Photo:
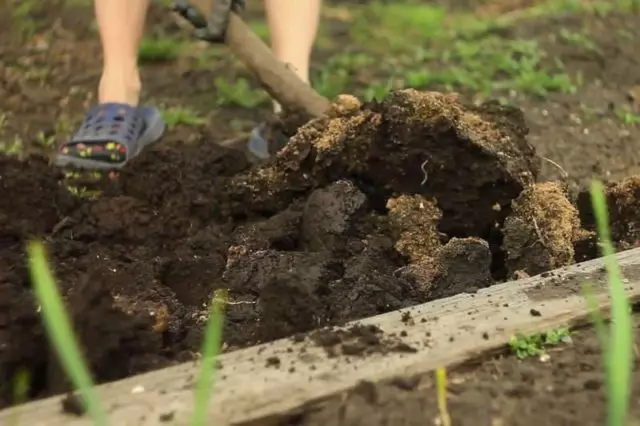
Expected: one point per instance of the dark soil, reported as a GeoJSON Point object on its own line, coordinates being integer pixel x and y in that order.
{"type": "Point", "coordinates": [374, 208]}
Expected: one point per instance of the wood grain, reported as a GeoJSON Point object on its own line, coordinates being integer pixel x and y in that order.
{"type": "Point", "coordinates": [443, 333]}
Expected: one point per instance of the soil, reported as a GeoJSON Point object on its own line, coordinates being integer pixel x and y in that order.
{"type": "Point", "coordinates": [374, 208]}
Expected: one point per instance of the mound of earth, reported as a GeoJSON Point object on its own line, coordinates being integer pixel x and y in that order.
{"type": "Point", "coordinates": [373, 208]}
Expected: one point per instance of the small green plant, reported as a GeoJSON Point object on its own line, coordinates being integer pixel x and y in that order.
{"type": "Point", "coordinates": [331, 80]}
{"type": "Point", "coordinates": [20, 391]}
{"type": "Point", "coordinates": [163, 49]}
{"type": "Point", "coordinates": [626, 116]}
{"type": "Point", "coordinates": [534, 345]}
{"type": "Point", "coordinates": [60, 333]}
{"type": "Point", "coordinates": [13, 147]}
{"type": "Point", "coordinates": [578, 39]}
{"type": "Point", "coordinates": [378, 91]}
{"type": "Point", "coordinates": [488, 65]}
{"type": "Point", "coordinates": [617, 340]}
{"type": "Point", "coordinates": [22, 20]}
{"type": "Point", "coordinates": [178, 115]}
{"type": "Point", "coordinates": [238, 93]}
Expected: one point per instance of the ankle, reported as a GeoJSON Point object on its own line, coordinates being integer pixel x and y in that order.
{"type": "Point", "coordinates": [120, 86]}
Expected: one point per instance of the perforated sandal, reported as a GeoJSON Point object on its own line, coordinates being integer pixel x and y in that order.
{"type": "Point", "coordinates": [110, 136]}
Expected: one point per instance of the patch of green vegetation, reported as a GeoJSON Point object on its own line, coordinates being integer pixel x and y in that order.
{"type": "Point", "coordinates": [179, 115]}
{"type": "Point", "coordinates": [338, 72]}
{"type": "Point", "coordinates": [578, 39]}
{"type": "Point", "coordinates": [260, 28]}
{"type": "Point", "coordinates": [238, 93]}
{"type": "Point", "coordinates": [627, 116]}
{"type": "Point", "coordinates": [11, 148]}
{"type": "Point", "coordinates": [534, 345]}
{"type": "Point", "coordinates": [427, 48]}
{"type": "Point", "coordinates": [159, 49]}
{"type": "Point", "coordinates": [490, 65]}
{"type": "Point", "coordinates": [46, 140]}
{"type": "Point", "coordinates": [395, 26]}
{"type": "Point", "coordinates": [378, 91]}
{"type": "Point", "coordinates": [22, 20]}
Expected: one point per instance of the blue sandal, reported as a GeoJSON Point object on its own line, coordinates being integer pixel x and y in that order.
{"type": "Point", "coordinates": [263, 142]}
{"type": "Point", "coordinates": [111, 135]}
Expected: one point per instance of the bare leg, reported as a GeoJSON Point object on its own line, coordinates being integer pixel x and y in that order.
{"type": "Point", "coordinates": [121, 24]}
{"type": "Point", "coordinates": [293, 25]}
{"type": "Point", "coordinates": [112, 133]}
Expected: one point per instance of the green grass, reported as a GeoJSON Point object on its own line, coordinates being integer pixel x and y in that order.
{"type": "Point", "coordinates": [617, 340]}
{"type": "Point", "coordinates": [424, 46]}
{"type": "Point", "coordinates": [61, 336]}
{"type": "Point", "coordinates": [159, 49]}
{"type": "Point", "coordinates": [238, 93]}
{"type": "Point", "coordinates": [626, 116]}
{"type": "Point", "coordinates": [177, 115]}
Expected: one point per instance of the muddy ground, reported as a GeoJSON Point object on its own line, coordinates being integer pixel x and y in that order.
{"type": "Point", "coordinates": [380, 206]}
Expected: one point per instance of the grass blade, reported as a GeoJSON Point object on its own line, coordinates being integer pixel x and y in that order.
{"type": "Point", "coordinates": [210, 352]}
{"type": "Point", "coordinates": [441, 392]}
{"type": "Point", "coordinates": [21, 383]}
{"type": "Point", "coordinates": [619, 354]}
{"type": "Point", "coordinates": [60, 332]}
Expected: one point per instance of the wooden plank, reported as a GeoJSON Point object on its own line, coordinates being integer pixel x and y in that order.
{"type": "Point", "coordinates": [444, 332]}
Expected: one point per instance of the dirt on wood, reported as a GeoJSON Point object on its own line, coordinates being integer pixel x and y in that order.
{"type": "Point", "coordinates": [567, 380]}
{"type": "Point", "coordinates": [379, 206]}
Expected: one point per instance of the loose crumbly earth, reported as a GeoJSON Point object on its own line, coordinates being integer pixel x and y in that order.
{"type": "Point", "coordinates": [377, 207]}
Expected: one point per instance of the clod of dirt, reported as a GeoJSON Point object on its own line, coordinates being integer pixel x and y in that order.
{"type": "Point", "coordinates": [40, 211]}
{"type": "Point", "coordinates": [463, 265]}
{"type": "Point", "coordinates": [414, 220]}
{"type": "Point", "coordinates": [121, 218]}
{"type": "Point", "coordinates": [22, 336]}
{"type": "Point", "coordinates": [287, 289]}
{"type": "Point", "coordinates": [623, 202]}
{"type": "Point", "coordinates": [466, 158]}
{"type": "Point", "coordinates": [190, 276]}
{"type": "Point", "coordinates": [118, 333]}
{"type": "Point", "coordinates": [328, 214]}
{"type": "Point", "coordinates": [540, 232]}
{"type": "Point", "coordinates": [279, 232]}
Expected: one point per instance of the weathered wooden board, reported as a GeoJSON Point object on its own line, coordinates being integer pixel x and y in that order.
{"type": "Point", "coordinates": [444, 332]}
